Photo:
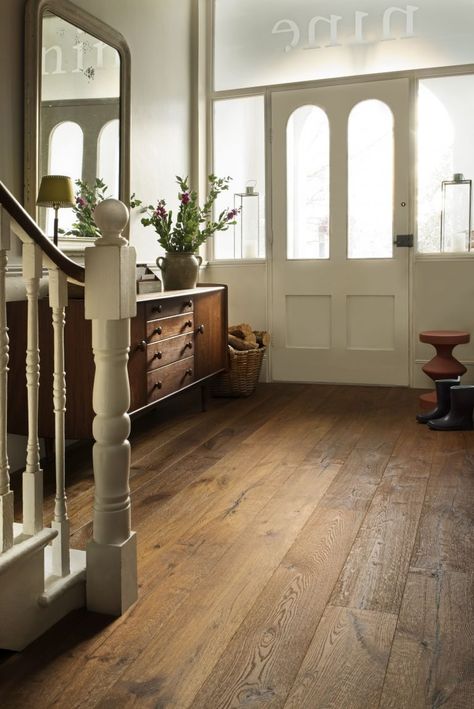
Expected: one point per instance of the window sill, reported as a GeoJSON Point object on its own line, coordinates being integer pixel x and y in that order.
{"type": "Point", "coordinates": [238, 262]}
{"type": "Point", "coordinates": [445, 256]}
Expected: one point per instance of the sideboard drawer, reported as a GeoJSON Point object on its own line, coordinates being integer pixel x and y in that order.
{"type": "Point", "coordinates": [165, 380]}
{"type": "Point", "coordinates": [165, 352]}
{"type": "Point", "coordinates": [169, 306]}
{"type": "Point", "coordinates": [169, 327]}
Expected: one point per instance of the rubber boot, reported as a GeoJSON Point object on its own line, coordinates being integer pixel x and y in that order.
{"type": "Point", "coordinates": [443, 397]}
{"type": "Point", "coordinates": [460, 414]}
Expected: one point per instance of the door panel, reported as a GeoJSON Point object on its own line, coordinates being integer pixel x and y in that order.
{"type": "Point", "coordinates": [338, 319]}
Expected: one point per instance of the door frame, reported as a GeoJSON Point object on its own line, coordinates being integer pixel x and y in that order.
{"type": "Point", "coordinates": [413, 76]}
{"type": "Point", "coordinates": [202, 152]}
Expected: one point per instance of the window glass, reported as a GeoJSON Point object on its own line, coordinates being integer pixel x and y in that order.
{"type": "Point", "coordinates": [264, 42]}
{"type": "Point", "coordinates": [239, 151]}
{"type": "Point", "coordinates": [108, 157]}
{"type": "Point", "coordinates": [444, 139]}
{"type": "Point", "coordinates": [65, 158]}
{"type": "Point", "coordinates": [370, 181]}
{"type": "Point", "coordinates": [308, 184]}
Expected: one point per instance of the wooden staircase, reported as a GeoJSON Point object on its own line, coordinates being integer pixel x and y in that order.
{"type": "Point", "coordinates": [41, 578]}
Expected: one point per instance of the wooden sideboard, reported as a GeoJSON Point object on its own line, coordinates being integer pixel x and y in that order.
{"type": "Point", "coordinates": [178, 340]}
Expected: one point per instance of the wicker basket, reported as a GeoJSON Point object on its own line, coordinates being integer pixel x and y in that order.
{"type": "Point", "coordinates": [242, 376]}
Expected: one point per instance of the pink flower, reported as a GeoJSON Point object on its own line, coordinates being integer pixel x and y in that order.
{"type": "Point", "coordinates": [80, 201]}
{"type": "Point", "coordinates": [160, 212]}
{"type": "Point", "coordinates": [185, 198]}
{"type": "Point", "coordinates": [232, 214]}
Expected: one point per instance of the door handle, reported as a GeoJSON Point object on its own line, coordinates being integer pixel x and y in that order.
{"type": "Point", "coordinates": [404, 240]}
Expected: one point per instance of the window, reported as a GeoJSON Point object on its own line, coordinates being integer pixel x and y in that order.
{"type": "Point", "coordinates": [445, 107]}
{"type": "Point", "coordinates": [265, 42]}
{"type": "Point", "coordinates": [65, 158]}
{"type": "Point", "coordinates": [108, 157]}
{"type": "Point", "coordinates": [370, 181]}
{"type": "Point", "coordinates": [239, 151]}
{"type": "Point", "coordinates": [308, 184]}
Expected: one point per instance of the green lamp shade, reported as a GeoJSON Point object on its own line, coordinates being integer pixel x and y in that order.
{"type": "Point", "coordinates": [56, 191]}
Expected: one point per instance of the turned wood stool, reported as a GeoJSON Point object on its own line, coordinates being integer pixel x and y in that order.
{"type": "Point", "coordinates": [443, 365]}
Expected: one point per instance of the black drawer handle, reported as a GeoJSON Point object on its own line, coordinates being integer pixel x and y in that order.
{"type": "Point", "coordinates": [157, 330]}
{"type": "Point", "coordinates": [157, 308]}
{"type": "Point", "coordinates": [201, 329]}
{"type": "Point", "coordinates": [158, 355]}
{"type": "Point", "coordinates": [157, 385]}
{"type": "Point", "coordinates": [188, 323]}
{"type": "Point", "coordinates": [189, 372]}
{"type": "Point", "coordinates": [188, 345]}
{"type": "Point", "coordinates": [142, 345]}
{"type": "Point", "coordinates": [188, 304]}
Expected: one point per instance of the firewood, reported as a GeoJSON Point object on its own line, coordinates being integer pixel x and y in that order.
{"type": "Point", "coordinates": [242, 345]}
{"type": "Point", "coordinates": [263, 338]}
{"type": "Point", "coordinates": [236, 332]}
{"type": "Point", "coordinates": [243, 328]}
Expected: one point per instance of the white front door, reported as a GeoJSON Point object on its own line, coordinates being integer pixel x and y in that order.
{"type": "Point", "coordinates": [340, 191]}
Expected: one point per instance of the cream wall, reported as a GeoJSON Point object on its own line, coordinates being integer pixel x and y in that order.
{"type": "Point", "coordinates": [11, 95]}
{"type": "Point", "coordinates": [158, 33]}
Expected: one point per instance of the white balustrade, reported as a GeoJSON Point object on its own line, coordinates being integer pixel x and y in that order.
{"type": "Point", "coordinates": [41, 578]}
{"type": "Point", "coordinates": [33, 475]}
{"type": "Point", "coordinates": [111, 556]}
{"type": "Point", "coordinates": [58, 299]}
{"type": "Point", "coordinates": [6, 495]}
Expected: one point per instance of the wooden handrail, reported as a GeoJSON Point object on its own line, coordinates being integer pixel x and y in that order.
{"type": "Point", "coordinates": [72, 269]}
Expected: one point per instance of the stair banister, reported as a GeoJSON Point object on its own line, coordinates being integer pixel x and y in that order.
{"type": "Point", "coordinates": [41, 578]}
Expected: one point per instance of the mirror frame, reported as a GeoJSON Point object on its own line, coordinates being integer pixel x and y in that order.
{"type": "Point", "coordinates": [69, 12]}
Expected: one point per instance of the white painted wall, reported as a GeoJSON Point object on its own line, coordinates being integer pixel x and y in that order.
{"type": "Point", "coordinates": [159, 36]}
{"type": "Point", "coordinates": [11, 95]}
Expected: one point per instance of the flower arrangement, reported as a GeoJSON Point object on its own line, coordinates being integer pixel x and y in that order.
{"type": "Point", "coordinates": [87, 199]}
{"type": "Point", "coordinates": [194, 224]}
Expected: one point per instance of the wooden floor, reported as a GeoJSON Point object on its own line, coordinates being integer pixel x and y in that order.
{"type": "Point", "coordinates": [309, 547]}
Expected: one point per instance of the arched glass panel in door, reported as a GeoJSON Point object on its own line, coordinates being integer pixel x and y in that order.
{"type": "Point", "coordinates": [370, 181]}
{"type": "Point", "coordinates": [307, 143]}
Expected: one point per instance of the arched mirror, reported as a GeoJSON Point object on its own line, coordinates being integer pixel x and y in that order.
{"type": "Point", "coordinates": [77, 74]}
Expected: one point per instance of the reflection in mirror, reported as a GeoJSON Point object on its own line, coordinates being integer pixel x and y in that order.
{"type": "Point", "coordinates": [79, 110]}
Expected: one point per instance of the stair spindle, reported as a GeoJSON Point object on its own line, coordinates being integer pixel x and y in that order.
{"type": "Point", "coordinates": [58, 300]}
{"type": "Point", "coordinates": [33, 475]}
{"type": "Point", "coordinates": [6, 495]}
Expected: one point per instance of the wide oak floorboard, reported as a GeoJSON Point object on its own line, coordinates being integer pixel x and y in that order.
{"type": "Point", "coordinates": [308, 547]}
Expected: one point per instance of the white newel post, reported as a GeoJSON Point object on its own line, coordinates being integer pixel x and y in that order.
{"type": "Point", "coordinates": [6, 495]}
{"type": "Point", "coordinates": [110, 302]}
{"type": "Point", "coordinates": [33, 475]}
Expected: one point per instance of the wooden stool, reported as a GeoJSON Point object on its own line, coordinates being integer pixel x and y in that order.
{"type": "Point", "coordinates": [443, 365]}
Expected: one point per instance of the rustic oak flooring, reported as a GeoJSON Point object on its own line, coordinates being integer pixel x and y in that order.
{"type": "Point", "coordinates": [308, 547]}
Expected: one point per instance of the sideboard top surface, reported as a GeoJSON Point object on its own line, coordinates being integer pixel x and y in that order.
{"type": "Point", "coordinates": [143, 297]}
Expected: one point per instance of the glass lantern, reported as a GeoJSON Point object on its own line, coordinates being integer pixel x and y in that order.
{"type": "Point", "coordinates": [247, 229]}
{"type": "Point", "coordinates": [456, 215]}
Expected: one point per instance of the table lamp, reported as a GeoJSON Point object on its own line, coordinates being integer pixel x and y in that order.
{"type": "Point", "coordinates": [56, 191]}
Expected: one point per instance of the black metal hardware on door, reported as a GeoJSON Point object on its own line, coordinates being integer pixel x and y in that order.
{"type": "Point", "coordinates": [404, 240]}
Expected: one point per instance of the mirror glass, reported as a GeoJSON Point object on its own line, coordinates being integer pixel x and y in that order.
{"type": "Point", "coordinates": [77, 113]}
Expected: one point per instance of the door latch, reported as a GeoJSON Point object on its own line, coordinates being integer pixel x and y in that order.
{"type": "Point", "coordinates": [405, 240]}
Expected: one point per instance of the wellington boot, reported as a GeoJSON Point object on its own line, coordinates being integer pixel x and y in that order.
{"type": "Point", "coordinates": [443, 396]}
{"type": "Point", "coordinates": [459, 417]}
